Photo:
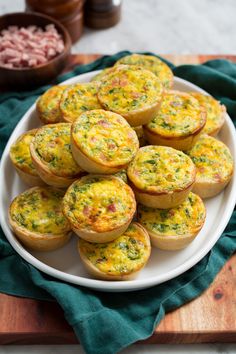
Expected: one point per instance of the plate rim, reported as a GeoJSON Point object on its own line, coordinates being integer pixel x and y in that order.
{"type": "Point", "coordinates": [129, 285]}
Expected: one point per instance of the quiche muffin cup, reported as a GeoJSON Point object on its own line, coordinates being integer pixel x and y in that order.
{"type": "Point", "coordinates": [52, 157]}
{"type": "Point", "coordinates": [37, 220]}
{"type": "Point", "coordinates": [121, 259]}
{"type": "Point", "coordinates": [178, 123]}
{"type": "Point", "coordinates": [47, 106]}
{"type": "Point", "coordinates": [77, 99]}
{"type": "Point", "coordinates": [100, 76]}
{"type": "Point", "coordinates": [214, 164]}
{"type": "Point", "coordinates": [173, 229]}
{"type": "Point", "coordinates": [21, 159]}
{"type": "Point", "coordinates": [136, 94]}
{"type": "Point", "coordinates": [99, 207]}
{"type": "Point", "coordinates": [152, 63]}
{"type": "Point", "coordinates": [161, 177]}
{"type": "Point", "coordinates": [215, 113]}
{"type": "Point", "coordinates": [103, 142]}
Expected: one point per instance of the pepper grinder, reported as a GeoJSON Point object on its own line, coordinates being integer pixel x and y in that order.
{"type": "Point", "coordinates": [100, 14]}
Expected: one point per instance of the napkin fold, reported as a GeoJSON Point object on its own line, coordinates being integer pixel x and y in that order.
{"type": "Point", "coordinates": [109, 322]}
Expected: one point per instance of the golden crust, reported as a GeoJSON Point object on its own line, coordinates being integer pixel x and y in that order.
{"type": "Point", "coordinates": [35, 240]}
{"type": "Point", "coordinates": [99, 207]}
{"type": "Point", "coordinates": [48, 175]}
{"type": "Point", "coordinates": [47, 106]}
{"type": "Point", "coordinates": [158, 131]}
{"type": "Point", "coordinates": [124, 91]}
{"type": "Point", "coordinates": [214, 166]}
{"type": "Point", "coordinates": [183, 233]}
{"type": "Point", "coordinates": [99, 149]}
{"type": "Point", "coordinates": [120, 275]}
{"type": "Point", "coordinates": [161, 177]}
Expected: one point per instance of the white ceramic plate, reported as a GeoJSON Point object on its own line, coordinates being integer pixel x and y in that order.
{"type": "Point", "coordinates": [65, 263]}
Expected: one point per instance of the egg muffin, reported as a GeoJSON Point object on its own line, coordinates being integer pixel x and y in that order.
{"type": "Point", "coordinates": [21, 159]}
{"type": "Point", "coordinates": [99, 208]}
{"type": "Point", "coordinates": [121, 259]}
{"type": "Point", "coordinates": [52, 157]}
{"type": "Point", "coordinates": [154, 64]}
{"type": "Point", "coordinates": [37, 220]}
{"type": "Point", "coordinates": [161, 176]}
{"type": "Point", "coordinates": [77, 99]}
{"type": "Point", "coordinates": [214, 164]}
{"type": "Point", "coordinates": [215, 113]}
{"type": "Point", "coordinates": [47, 106]}
{"type": "Point", "coordinates": [103, 142]}
{"type": "Point", "coordinates": [173, 229]}
{"type": "Point", "coordinates": [123, 175]}
{"type": "Point", "coordinates": [136, 94]}
{"type": "Point", "coordinates": [178, 123]}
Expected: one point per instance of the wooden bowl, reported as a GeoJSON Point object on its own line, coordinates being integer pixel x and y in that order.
{"type": "Point", "coordinates": [25, 78]}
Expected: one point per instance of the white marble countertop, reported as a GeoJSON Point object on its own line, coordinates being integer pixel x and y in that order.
{"type": "Point", "coordinates": [163, 27]}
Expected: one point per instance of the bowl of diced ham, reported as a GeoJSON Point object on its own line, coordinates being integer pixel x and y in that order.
{"type": "Point", "coordinates": [34, 49]}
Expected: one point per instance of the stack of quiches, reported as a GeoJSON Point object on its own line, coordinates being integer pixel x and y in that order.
{"type": "Point", "coordinates": [78, 162]}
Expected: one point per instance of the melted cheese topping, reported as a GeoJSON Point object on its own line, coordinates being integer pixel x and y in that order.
{"type": "Point", "coordinates": [125, 90]}
{"type": "Point", "coordinates": [40, 210]}
{"type": "Point", "coordinates": [181, 220]}
{"type": "Point", "coordinates": [180, 115]}
{"type": "Point", "coordinates": [53, 148]}
{"type": "Point", "coordinates": [212, 158]}
{"type": "Point", "coordinates": [20, 153]}
{"type": "Point", "coordinates": [215, 116]}
{"type": "Point", "coordinates": [127, 254]}
{"type": "Point", "coordinates": [77, 99]}
{"type": "Point", "coordinates": [161, 169]}
{"type": "Point", "coordinates": [48, 105]}
{"type": "Point", "coordinates": [105, 137]}
{"type": "Point", "coordinates": [154, 64]}
{"type": "Point", "coordinates": [99, 203]}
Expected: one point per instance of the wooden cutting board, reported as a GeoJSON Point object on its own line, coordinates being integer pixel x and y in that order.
{"type": "Point", "coordinates": [209, 318]}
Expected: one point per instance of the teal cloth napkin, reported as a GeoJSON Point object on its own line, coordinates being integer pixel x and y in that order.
{"type": "Point", "coordinates": [109, 322]}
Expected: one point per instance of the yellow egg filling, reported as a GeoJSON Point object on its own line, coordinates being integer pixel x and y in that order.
{"type": "Point", "coordinates": [20, 153]}
{"type": "Point", "coordinates": [105, 137]}
{"type": "Point", "coordinates": [40, 210]}
{"type": "Point", "coordinates": [181, 220]}
{"type": "Point", "coordinates": [127, 254]}
{"type": "Point", "coordinates": [180, 115]}
{"type": "Point", "coordinates": [98, 203]}
{"type": "Point", "coordinates": [48, 104]}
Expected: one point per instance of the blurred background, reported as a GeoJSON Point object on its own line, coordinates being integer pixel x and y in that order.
{"type": "Point", "coordinates": [160, 26]}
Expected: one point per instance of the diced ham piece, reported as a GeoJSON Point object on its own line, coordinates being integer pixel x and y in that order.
{"type": "Point", "coordinates": [112, 207]}
{"type": "Point", "coordinates": [30, 46]}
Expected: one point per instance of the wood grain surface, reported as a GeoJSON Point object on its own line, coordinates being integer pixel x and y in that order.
{"type": "Point", "coordinates": [209, 318]}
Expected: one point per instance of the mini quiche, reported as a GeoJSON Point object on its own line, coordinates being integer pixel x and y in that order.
{"type": "Point", "coordinates": [136, 94]}
{"type": "Point", "coordinates": [173, 229]}
{"type": "Point", "coordinates": [99, 208]}
{"type": "Point", "coordinates": [103, 142]}
{"type": "Point", "coordinates": [77, 99]}
{"type": "Point", "coordinates": [215, 113]}
{"type": "Point", "coordinates": [21, 159]}
{"type": "Point", "coordinates": [121, 259]}
{"type": "Point", "coordinates": [161, 176]}
{"type": "Point", "coordinates": [47, 106]}
{"type": "Point", "coordinates": [214, 164]}
{"type": "Point", "coordinates": [123, 175]}
{"type": "Point", "coordinates": [52, 157]}
{"type": "Point", "coordinates": [37, 220]}
{"type": "Point", "coordinates": [178, 123]}
{"type": "Point", "coordinates": [154, 64]}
